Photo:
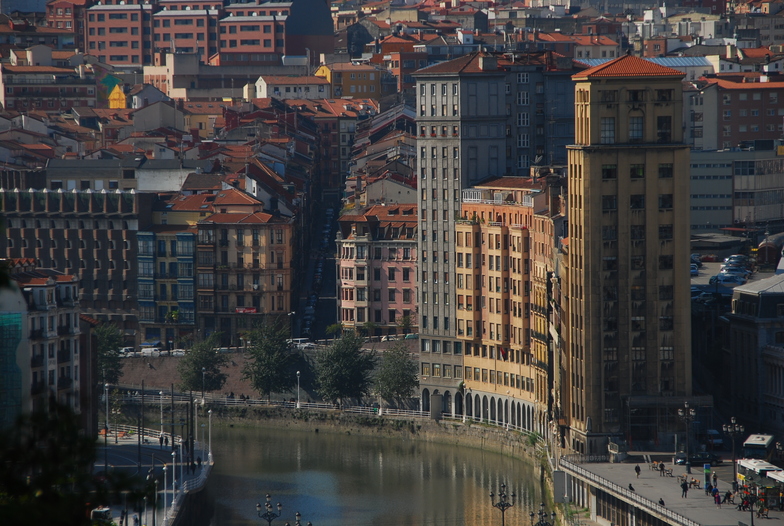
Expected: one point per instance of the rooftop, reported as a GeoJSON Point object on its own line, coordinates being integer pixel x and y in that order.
{"type": "Point", "coordinates": [628, 66]}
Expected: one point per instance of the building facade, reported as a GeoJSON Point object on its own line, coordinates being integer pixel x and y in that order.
{"type": "Point", "coordinates": [627, 325]}
{"type": "Point", "coordinates": [377, 269]}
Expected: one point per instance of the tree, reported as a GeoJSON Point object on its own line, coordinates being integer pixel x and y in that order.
{"type": "Point", "coordinates": [343, 370]}
{"type": "Point", "coordinates": [405, 323]}
{"type": "Point", "coordinates": [272, 364]}
{"type": "Point", "coordinates": [397, 376]}
{"type": "Point", "coordinates": [47, 475]}
{"type": "Point", "coordinates": [369, 328]}
{"type": "Point", "coordinates": [110, 340]}
{"type": "Point", "coordinates": [203, 356]}
{"type": "Point", "coordinates": [334, 330]}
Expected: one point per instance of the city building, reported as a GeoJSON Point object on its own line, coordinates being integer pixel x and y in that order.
{"type": "Point", "coordinates": [627, 325]}
{"type": "Point", "coordinates": [377, 269]}
{"type": "Point", "coordinates": [756, 353]}
{"type": "Point", "coordinates": [40, 85]}
{"type": "Point", "coordinates": [292, 87]}
{"type": "Point", "coordinates": [180, 27]}
{"type": "Point", "coordinates": [54, 358]}
{"type": "Point", "coordinates": [479, 116]}
{"type": "Point", "coordinates": [350, 80]}
{"type": "Point", "coordinates": [120, 34]}
{"type": "Point", "coordinates": [15, 393]}
{"type": "Point", "coordinates": [166, 278]}
{"type": "Point", "coordinates": [68, 15]}
{"type": "Point", "coordinates": [244, 271]}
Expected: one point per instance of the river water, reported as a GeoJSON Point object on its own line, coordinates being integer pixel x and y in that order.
{"type": "Point", "coordinates": [352, 480]}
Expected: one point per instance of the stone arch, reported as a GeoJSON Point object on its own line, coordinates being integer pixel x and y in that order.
{"type": "Point", "coordinates": [477, 407]}
{"type": "Point", "coordinates": [514, 414]}
{"type": "Point", "coordinates": [459, 409]}
{"type": "Point", "coordinates": [492, 410]}
{"type": "Point", "coordinates": [425, 399]}
{"type": "Point", "coordinates": [447, 403]}
{"type": "Point", "coordinates": [485, 410]}
{"type": "Point", "coordinates": [506, 411]}
{"type": "Point", "coordinates": [469, 405]}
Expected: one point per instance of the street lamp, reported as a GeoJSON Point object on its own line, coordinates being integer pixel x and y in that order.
{"type": "Point", "coordinates": [160, 396]}
{"type": "Point", "coordinates": [182, 464]}
{"type": "Point", "coordinates": [268, 514]}
{"type": "Point", "coordinates": [297, 389]}
{"type": "Point", "coordinates": [203, 376]}
{"type": "Point", "coordinates": [542, 517]}
{"type": "Point", "coordinates": [298, 520]}
{"type": "Point", "coordinates": [210, 436]}
{"type": "Point", "coordinates": [165, 500]}
{"type": "Point", "coordinates": [174, 475]}
{"type": "Point", "coordinates": [734, 430]}
{"type": "Point", "coordinates": [106, 432]}
{"type": "Point", "coordinates": [503, 504]}
{"type": "Point", "coordinates": [687, 414]}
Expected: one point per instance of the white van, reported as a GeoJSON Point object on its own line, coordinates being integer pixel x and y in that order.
{"type": "Point", "coordinates": [151, 351]}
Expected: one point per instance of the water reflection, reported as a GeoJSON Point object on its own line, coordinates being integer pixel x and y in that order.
{"type": "Point", "coordinates": [342, 480]}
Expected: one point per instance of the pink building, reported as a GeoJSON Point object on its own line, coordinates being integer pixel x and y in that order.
{"type": "Point", "coordinates": [377, 269]}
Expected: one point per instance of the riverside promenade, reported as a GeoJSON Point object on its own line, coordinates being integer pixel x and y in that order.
{"type": "Point", "coordinates": [121, 451]}
{"type": "Point", "coordinates": [696, 509]}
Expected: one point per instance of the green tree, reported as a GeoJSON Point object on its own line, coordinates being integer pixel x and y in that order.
{"type": "Point", "coordinates": [343, 371]}
{"type": "Point", "coordinates": [334, 330]}
{"type": "Point", "coordinates": [369, 328]}
{"type": "Point", "coordinates": [46, 475]}
{"type": "Point", "coordinates": [272, 364]}
{"type": "Point", "coordinates": [110, 340]}
{"type": "Point", "coordinates": [396, 378]}
{"type": "Point", "coordinates": [405, 323]}
{"type": "Point", "coordinates": [203, 356]}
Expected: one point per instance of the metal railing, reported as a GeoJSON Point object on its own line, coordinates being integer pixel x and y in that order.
{"type": "Point", "coordinates": [627, 494]}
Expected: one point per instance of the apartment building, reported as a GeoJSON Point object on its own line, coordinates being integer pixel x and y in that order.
{"type": "Point", "coordinates": [627, 325]}
{"type": "Point", "coordinates": [166, 284]}
{"type": "Point", "coordinates": [54, 356]}
{"type": "Point", "coordinates": [120, 34]}
{"type": "Point", "coordinates": [292, 87]}
{"type": "Point", "coordinates": [180, 28]}
{"type": "Point", "coordinates": [377, 269]}
{"type": "Point", "coordinates": [350, 80]}
{"type": "Point", "coordinates": [84, 233]}
{"type": "Point", "coordinates": [479, 116]}
{"type": "Point", "coordinates": [68, 15]}
{"type": "Point", "coordinates": [243, 272]}
{"type": "Point", "coordinates": [30, 81]}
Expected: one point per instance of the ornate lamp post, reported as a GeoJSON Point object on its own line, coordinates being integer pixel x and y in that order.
{"type": "Point", "coordinates": [165, 500]}
{"type": "Point", "coordinates": [210, 436]}
{"type": "Point", "coordinates": [174, 475]}
{"type": "Point", "coordinates": [268, 515]}
{"type": "Point", "coordinates": [160, 395]}
{"type": "Point", "coordinates": [503, 503]}
{"type": "Point", "coordinates": [298, 519]}
{"type": "Point", "coordinates": [542, 514]}
{"type": "Point", "coordinates": [203, 377]}
{"type": "Point", "coordinates": [687, 414]}
{"type": "Point", "coordinates": [106, 432]}
{"type": "Point", "coordinates": [734, 430]}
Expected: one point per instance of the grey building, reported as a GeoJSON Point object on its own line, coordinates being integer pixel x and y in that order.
{"type": "Point", "coordinates": [478, 116]}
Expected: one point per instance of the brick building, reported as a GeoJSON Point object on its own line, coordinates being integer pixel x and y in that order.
{"type": "Point", "coordinates": [68, 15]}
{"type": "Point", "coordinates": [120, 34]}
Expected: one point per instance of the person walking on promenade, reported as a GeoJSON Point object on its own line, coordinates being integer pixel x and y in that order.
{"type": "Point", "coordinates": [685, 489]}
{"type": "Point", "coordinates": [717, 499]}
{"type": "Point", "coordinates": [637, 470]}
{"type": "Point", "coordinates": [715, 479]}
{"type": "Point", "coordinates": [727, 497]}
{"type": "Point", "coordinates": [661, 469]}
{"type": "Point", "coordinates": [708, 489]}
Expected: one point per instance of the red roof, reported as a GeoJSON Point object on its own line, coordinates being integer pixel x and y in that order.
{"type": "Point", "coordinates": [628, 66]}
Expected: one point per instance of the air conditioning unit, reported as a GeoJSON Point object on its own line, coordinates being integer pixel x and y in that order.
{"type": "Point", "coordinates": [255, 287]}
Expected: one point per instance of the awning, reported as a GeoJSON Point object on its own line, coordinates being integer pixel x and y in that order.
{"type": "Point", "coordinates": [155, 343]}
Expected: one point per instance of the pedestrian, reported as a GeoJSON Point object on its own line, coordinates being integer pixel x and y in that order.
{"type": "Point", "coordinates": [661, 469]}
{"type": "Point", "coordinates": [727, 497]}
{"type": "Point", "coordinates": [637, 470]}
{"type": "Point", "coordinates": [135, 520]}
{"type": "Point", "coordinates": [166, 440]}
{"type": "Point", "coordinates": [661, 501]}
{"type": "Point", "coordinates": [715, 479]}
{"type": "Point", "coordinates": [160, 439]}
{"type": "Point", "coordinates": [708, 489]}
{"type": "Point", "coordinates": [631, 488]}
{"type": "Point", "coordinates": [717, 499]}
{"type": "Point", "coordinates": [685, 489]}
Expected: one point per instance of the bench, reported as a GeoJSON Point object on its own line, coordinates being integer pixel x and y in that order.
{"type": "Point", "coordinates": [121, 434]}
{"type": "Point", "coordinates": [668, 472]}
{"type": "Point", "coordinates": [762, 513]}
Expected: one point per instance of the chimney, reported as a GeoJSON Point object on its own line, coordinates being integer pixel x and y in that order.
{"type": "Point", "coordinates": [488, 63]}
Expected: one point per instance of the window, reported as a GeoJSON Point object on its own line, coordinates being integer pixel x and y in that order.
{"type": "Point", "coordinates": [665, 262]}
{"type": "Point", "coordinates": [523, 119]}
{"type": "Point", "coordinates": [609, 171]}
{"type": "Point", "coordinates": [665, 171]}
{"type": "Point", "coordinates": [637, 201]}
{"type": "Point", "coordinates": [665, 231]}
{"type": "Point", "coordinates": [607, 130]}
{"type": "Point", "coordinates": [637, 171]}
{"type": "Point", "coordinates": [635, 129]}
{"type": "Point", "coordinates": [609, 202]}
{"type": "Point", "coordinates": [665, 201]}
{"type": "Point", "coordinates": [664, 129]}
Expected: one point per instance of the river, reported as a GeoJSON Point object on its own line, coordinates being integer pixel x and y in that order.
{"type": "Point", "coordinates": [352, 480]}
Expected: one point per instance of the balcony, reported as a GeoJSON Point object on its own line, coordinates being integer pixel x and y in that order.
{"type": "Point", "coordinates": [64, 383]}
{"type": "Point", "coordinates": [223, 242]}
{"type": "Point", "coordinates": [62, 330]}
{"type": "Point", "coordinates": [206, 241]}
{"type": "Point", "coordinates": [36, 334]}
{"type": "Point", "coordinates": [63, 356]}
{"type": "Point", "coordinates": [37, 360]}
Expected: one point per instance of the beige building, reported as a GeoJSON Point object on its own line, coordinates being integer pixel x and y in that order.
{"type": "Point", "coordinates": [627, 326]}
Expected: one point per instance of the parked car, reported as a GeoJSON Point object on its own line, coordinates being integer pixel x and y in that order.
{"type": "Point", "coordinates": [151, 351]}
{"type": "Point", "coordinates": [713, 438]}
{"type": "Point", "coordinates": [727, 279]}
{"type": "Point", "coordinates": [702, 457]}
{"type": "Point", "coordinates": [178, 352]}
{"type": "Point", "coordinates": [740, 271]}
{"type": "Point", "coordinates": [695, 270]}
{"type": "Point", "coordinates": [697, 260]}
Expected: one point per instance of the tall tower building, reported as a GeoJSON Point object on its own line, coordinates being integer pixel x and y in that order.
{"type": "Point", "coordinates": [627, 325]}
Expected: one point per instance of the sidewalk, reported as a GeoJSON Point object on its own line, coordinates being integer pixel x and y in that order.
{"type": "Point", "coordinates": [124, 456]}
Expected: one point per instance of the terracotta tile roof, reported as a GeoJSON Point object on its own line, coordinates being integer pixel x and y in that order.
{"type": "Point", "coordinates": [511, 182]}
{"type": "Point", "coordinates": [234, 218]}
{"type": "Point", "coordinates": [235, 197]}
{"type": "Point", "coordinates": [37, 69]}
{"type": "Point", "coordinates": [726, 84]}
{"type": "Point", "coordinates": [190, 203]}
{"type": "Point", "coordinates": [628, 66]}
{"type": "Point", "coordinates": [294, 79]}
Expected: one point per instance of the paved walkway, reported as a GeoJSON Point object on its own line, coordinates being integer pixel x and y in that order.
{"type": "Point", "coordinates": [124, 455]}
{"type": "Point", "coordinates": [697, 506]}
